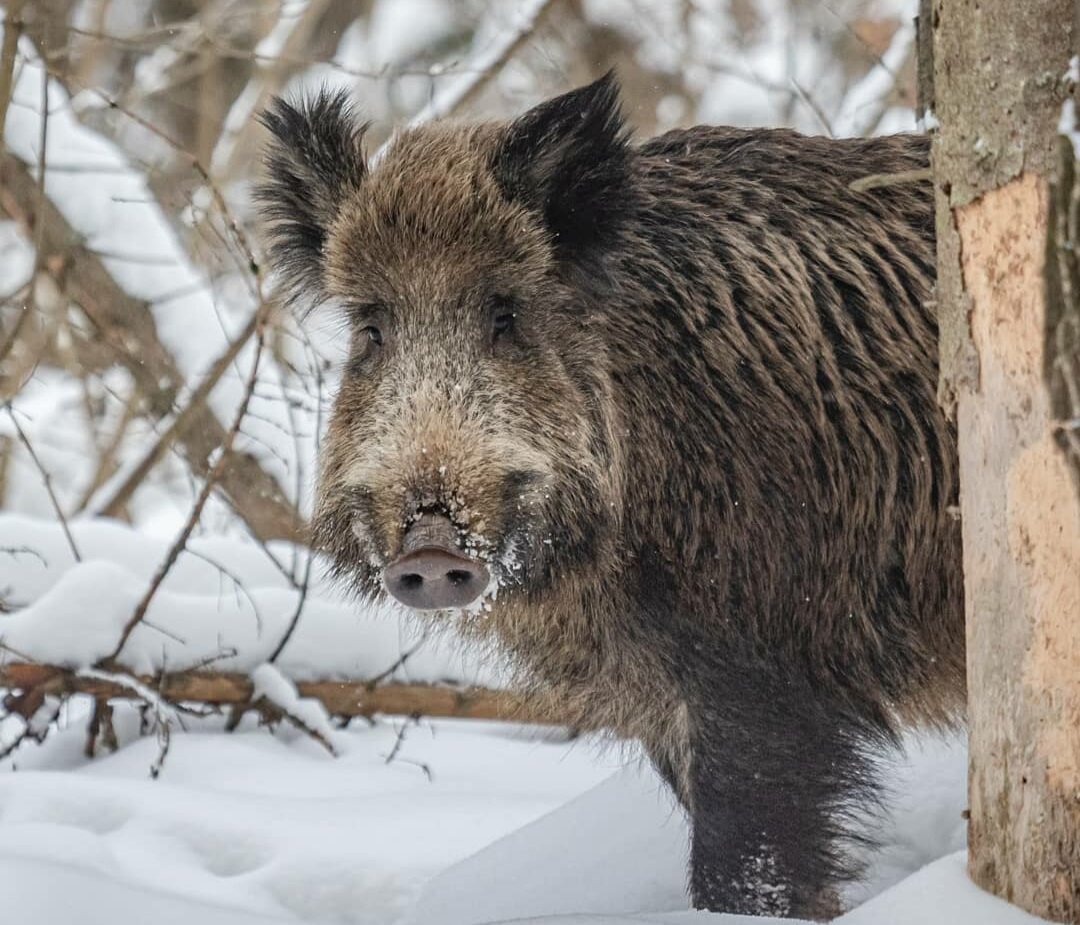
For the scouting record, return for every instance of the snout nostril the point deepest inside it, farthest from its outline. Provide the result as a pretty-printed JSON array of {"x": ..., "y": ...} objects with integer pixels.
[{"x": 433, "y": 572}]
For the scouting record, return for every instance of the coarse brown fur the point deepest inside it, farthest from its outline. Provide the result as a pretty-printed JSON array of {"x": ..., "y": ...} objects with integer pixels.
[{"x": 703, "y": 456}]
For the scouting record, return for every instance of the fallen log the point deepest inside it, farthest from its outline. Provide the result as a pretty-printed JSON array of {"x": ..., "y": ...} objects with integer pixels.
[{"x": 231, "y": 689}]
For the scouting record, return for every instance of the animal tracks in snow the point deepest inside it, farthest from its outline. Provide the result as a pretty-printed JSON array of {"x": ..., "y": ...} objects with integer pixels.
[{"x": 267, "y": 824}]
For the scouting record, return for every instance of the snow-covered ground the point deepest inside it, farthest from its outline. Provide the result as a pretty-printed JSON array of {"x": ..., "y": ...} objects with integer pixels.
[
  {"x": 442, "y": 822},
  {"x": 469, "y": 823},
  {"x": 271, "y": 825}
]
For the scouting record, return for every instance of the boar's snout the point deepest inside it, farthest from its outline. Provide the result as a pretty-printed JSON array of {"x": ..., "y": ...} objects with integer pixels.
[{"x": 432, "y": 572}]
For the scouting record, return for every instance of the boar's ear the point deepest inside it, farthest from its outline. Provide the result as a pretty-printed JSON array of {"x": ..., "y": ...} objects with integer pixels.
[
  {"x": 315, "y": 158},
  {"x": 568, "y": 160}
]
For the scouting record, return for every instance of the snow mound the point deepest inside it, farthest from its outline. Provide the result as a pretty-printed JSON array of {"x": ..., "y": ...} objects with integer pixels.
[
  {"x": 621, "y": 847},
  {"x": 225, "y": 602},
  {"x": 941, "y": 893}
]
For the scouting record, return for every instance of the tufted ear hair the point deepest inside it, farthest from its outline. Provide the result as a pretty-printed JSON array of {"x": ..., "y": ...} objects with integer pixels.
[
  {"x": 315, "y": 158},
  {"x": 568, "y": 160}
]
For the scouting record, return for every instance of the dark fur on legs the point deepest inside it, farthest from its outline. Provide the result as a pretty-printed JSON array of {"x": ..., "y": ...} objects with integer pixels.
[{"x": 775, "y": 773}]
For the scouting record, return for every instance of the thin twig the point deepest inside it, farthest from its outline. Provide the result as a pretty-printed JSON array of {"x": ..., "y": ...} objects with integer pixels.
[
  {"x": 31, "y": 731},
  {"x": 289, "y": 34},
  {"x": 295, "y": 620},
  {"x": 272, "y": 711},
  {"x": 882, "y": 180},
  {"x": 164, "y": 739},
  {"x": 237, "y": 583},
  {"x": 400, "y": 741},
  {"x": 240, "y": 238},
  {"x": 120, "y": 496},
  {"x": 15, "y": 551},
  {"x": 107, "y": 455},
  {"x": 399, "y": 662},
  {"x": 813, "y": 106},
  {"x": 123, "y": 325},
  {"x": 47, "y": 479},
  {"x": 22, "y": 656},
  {"x": 196, "y": 512},
  {"x": 306, "y": 582},
  {"x": 147, "y": 40},
  {"x": 876, "y": 86}
]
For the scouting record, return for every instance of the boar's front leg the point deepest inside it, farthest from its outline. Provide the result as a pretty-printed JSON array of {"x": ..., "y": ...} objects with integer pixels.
[{"x": 773, "y": 770}]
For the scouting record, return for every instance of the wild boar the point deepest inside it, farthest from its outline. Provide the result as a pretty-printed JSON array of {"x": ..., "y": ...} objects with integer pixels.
[{"x": 657, "y": 422}]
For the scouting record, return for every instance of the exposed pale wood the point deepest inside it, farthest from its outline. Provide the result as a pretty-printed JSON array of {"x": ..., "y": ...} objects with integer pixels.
[
  {"x": 994, "y": 158},
  {"x": 1021, "y": 521}
]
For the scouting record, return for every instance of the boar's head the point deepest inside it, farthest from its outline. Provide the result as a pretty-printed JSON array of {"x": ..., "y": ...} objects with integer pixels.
[{"x": 473, "y": 443}]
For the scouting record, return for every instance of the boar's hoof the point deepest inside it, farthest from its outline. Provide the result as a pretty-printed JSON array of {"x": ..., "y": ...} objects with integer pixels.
[{"x": 432, "y": 573}]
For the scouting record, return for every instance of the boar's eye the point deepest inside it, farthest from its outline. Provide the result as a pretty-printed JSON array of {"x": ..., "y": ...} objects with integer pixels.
[
  {"x": 502, "y": 324},
  {"x": 503, "y": 312},
  {"x": 367, "y": 340}
]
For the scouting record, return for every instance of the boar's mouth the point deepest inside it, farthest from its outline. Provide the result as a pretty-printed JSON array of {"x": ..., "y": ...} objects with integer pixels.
[{"x": 432, "y": 572}]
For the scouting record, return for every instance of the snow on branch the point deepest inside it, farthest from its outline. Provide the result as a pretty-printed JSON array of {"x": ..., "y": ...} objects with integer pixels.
[
  {"x": 127, "y": 330},
  {"x": 866, "y": 103},
  {"x": 357, "y": 698},
  {"x": 486, "y": 66}
]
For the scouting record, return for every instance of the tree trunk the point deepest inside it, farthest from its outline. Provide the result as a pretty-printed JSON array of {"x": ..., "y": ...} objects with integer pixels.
[{"x": 1008, "y": 342}]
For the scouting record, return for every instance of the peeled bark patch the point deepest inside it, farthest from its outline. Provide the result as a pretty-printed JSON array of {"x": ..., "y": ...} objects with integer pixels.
[{"x": 1021, "y": 518}]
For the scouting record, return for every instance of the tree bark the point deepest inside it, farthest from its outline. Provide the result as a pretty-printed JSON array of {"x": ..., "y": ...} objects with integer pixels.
[{"x": 999, "y": 84}]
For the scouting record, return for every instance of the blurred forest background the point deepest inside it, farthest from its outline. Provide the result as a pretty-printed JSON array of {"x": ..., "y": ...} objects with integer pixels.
[{"x": 134, "y": 306}]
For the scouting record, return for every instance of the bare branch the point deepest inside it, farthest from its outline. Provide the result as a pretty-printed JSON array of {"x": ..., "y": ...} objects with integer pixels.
[
  {"x": 29, "y": 303},
  {"x": 866, "y": 103},
  {"x": 813, "y": 106},
  {"x": 305, "y": 584},
  {"x": 8, "y": 49},
  {"x": 200, "y": 502},
  {"x": 123, "y": 492},
  {"x": 109, "y": 451},
  {"x": 237, "y": 583},
  {"x": 164, "y": 733},
  {"x": 486, "y": 67},
  {"x": 270, "y": 76},
  {"x": 34, "y": 730},
  {"x": 399, "y": 741},
  {"x": 123, "y": 324},
  {"x": 883, "y": 180}
]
